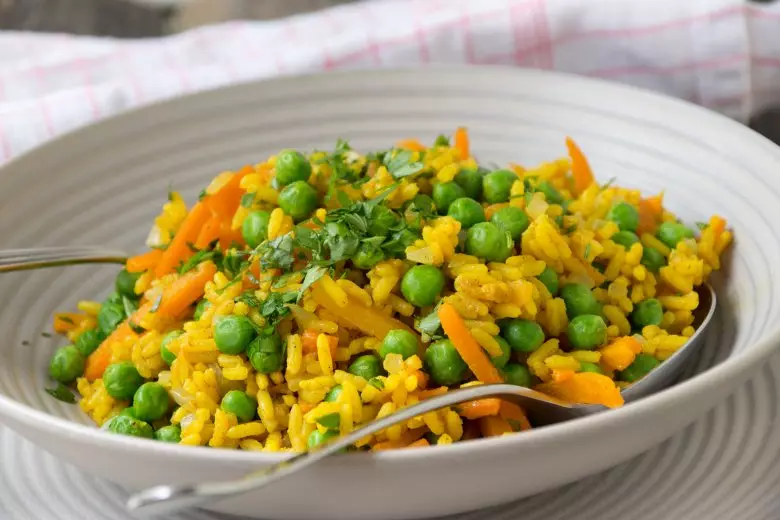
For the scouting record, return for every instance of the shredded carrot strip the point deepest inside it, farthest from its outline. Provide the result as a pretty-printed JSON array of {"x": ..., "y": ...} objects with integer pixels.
[
  {"x": 650, "y": 211},
  {"x": 64, "y": 321},
  {"x": 420, "y": 443},
  {"x": 309, "y": 341},
  {"x": 461, "y": 139},
  {"x": 493, "y": 208},
  {"x": 559, "y": 375},
  {"x": 225, "y": 202},
  {"x": 512, "y": 412},
  {"x": 580, "y": 169},
  {"x": 179, "y": 249},
  {"x": 467, "y": 346},
  {"x": 101, "y": 357},
  {"x": 186, "y": 290},
  {"x": 585, "y": 388},
  {"x": 433, "y": 392},
  {"x": 493, "y": 426},
  {"x": 209, "y": 232},
  {"x": 620, "y": 353},
  {"x": 481, "y": 408},
  {"x": 228, "y": 236},
  {"x": 411, "y": 144},
  {"x": 718, "y": 225},
  {"x": 144, "y": 261}
]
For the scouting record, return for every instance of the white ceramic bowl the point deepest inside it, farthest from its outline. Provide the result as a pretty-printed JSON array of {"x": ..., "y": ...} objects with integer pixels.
[{"x": 105, "y": 183}]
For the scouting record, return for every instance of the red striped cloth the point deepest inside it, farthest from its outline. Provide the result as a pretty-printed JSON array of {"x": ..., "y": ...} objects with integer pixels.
[{"x": 723, "y": 54}]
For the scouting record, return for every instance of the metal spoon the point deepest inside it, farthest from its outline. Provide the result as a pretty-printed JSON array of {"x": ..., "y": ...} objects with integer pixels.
[
  {"x": 542, "y": 408},
  {"x": 23, "y": 259}
]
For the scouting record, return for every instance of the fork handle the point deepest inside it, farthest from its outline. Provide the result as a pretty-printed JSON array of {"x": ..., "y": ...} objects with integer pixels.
[{"x": 36, "y": 258}]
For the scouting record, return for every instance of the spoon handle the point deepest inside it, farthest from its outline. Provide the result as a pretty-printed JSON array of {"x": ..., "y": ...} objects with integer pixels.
[
  {"x": 166, "y": 499},
  {"x": 23, "y": 259}
]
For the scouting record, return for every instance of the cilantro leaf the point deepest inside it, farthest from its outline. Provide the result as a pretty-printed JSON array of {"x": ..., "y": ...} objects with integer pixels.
[
  {"x": 430, "y": 325},
  {"x": 312, "y": 275},
  {"x": 249, "y": 298},
  {"x": 702, "y": 225},
  {"x": 247, "y": 200},
  {"x": 277, "y": 253},
  {"x": 199, "y": 256},
  {"x": 129, "y": 306},
  {"x": 399, "y": 164},
  {"x": 62, "y": 393},
  {"x": 442, "y": 140}
]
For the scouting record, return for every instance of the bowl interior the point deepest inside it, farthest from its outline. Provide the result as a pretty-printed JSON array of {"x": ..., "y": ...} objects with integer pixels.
[{"x": 104, "y": 185}]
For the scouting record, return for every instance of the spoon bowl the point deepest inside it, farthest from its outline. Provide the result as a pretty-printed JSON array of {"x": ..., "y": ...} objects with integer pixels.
[{"x": 541, "y": 407}]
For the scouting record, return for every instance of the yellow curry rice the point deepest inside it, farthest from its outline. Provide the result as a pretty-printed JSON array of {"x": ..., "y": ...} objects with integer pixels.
[{"x": 309, "y": 294}]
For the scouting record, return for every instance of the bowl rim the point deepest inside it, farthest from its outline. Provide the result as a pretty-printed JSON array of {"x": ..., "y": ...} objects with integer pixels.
[{"x": 714, "y": 377}]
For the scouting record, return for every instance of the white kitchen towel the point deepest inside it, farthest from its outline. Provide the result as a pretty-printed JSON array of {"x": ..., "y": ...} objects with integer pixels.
[{"x": 722, "y": 54}]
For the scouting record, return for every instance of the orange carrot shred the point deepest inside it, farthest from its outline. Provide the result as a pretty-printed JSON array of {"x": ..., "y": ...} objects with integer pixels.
[
  {"x": 100, "y": 359},
  {"x": 650, "y": 212},
  {"x": 419, "y": 443},
  {"x": 514, "y": 413},
  {"x": 64, "y": 321},
  {"x": 209, "y": 232},
  {"x": 494, "y": 426},
  {"x": 584, "y": 388},
  {"x": 411, "y": 144},
  {"x": 461, "y": 139},
  {"x": 144, "y": 261},
  {"x": 433, "y": 392},
  {"x": 467, "y": 346},
  {"x": 186, "y": 290},
  {"x": 718, "y": 225},
  {"x": 309, "y": 341},
  {"x": 580, "y": 169},
  {"x": 179, "y": 249},
  {"x": 480, "y": 408},
  {"x": 559, "y": 375}
]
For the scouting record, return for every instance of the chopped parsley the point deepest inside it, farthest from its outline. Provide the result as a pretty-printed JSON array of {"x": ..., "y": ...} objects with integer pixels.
[
  {"x": 62, "y": 393},
  {"x": 400, "y": 164},
  {"x": 247, "y": 200}
]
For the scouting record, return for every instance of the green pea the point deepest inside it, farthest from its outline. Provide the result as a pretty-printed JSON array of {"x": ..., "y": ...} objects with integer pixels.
[
  {"x": 670, "y": 233},
  {"x": 487, "y": 241},
  {"x": 579, "y": 300},
  {"x": 125, "y": 283},
  {"x": 590, "y": 367},
  {"x": 299, "y": 200},
  {"x": 517, "y": 374},
  {"x": 643, "y": 364},
  {"x": 291, "y": 166},
  {"x": 317, "y": 438},
  {"x": 444, "y": 364},
  {"x": 445, "y": 193},
  {"x": 587, "y": 331},
  {"x": 470, "y": 180},
  {"x": 511, "y": 219},
  {"x": 647, "y": 312},
  {"x": 240, "y": 404},
  {"x": 442, "y": 140},
  {"x": 200, "y": 308},
  {"x": 551, "y": 195},
  {"x": 497, "y": 185},
  {"x": 121, "y": 380},
  {"x": 466, "y": 211},
  {"x": 66, "y": 364},
  {"x": 168, "y": 356},
  {"x": 506, "y": 352},
  {"x": 625, "y": 238},
  {"x": 399, "y": 341},
  {"x": 333, "y": 394},
  {"x": 625, "y": 216},
  {"x": 88, "y": 341},
  {"x": 151, "y": 401},
  {"x": 126, "y": 425},
  {"x": 129, "y": 411},
  {"x": 550, "y": 280},
  {"x": 522, "y": 335},
  {"x": 422, "y": 284},
  {"x": 367, "y": 256},
  {"x": 109, "y": 317},
  {"x": 382, "y": 219},
  {"x": 332, "y": 421},
  {"x": 366, "y": 366},
  {"x": 233, "y": 334},
  {"x": 170, "y": 433},
  {"x": 653, "y": 259},
  {"x": 255, "y": 228},
  {"x": 266, "y": 353}
]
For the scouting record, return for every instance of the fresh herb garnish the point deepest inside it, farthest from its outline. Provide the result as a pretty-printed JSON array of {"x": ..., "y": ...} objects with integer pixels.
[
  {"x": 275, "y": 308},
  {"x": 45, "y": 334},
  {"x": 702, "y": 225},
  {"x": 442, "y": 140},
  {"x": 202, "y": 194},
  {"x": 376, "y": 383},
  {"x": 312, "y": 275},
  {"x": 249, "y": 298},
  {"x": 277, "y": 253},
  {"x": 199, "y": 256},
  {"x": 62, "y": 393},
  {"x": 430, "y": 325},
  {"x": 65, "y": 319},
  {"x": 587, "y": 251},
  {"x": 156, "y": 304},
  {"x": 129, "y": 305},
  {"x": 247, "y": 200},
  {"x": 400, "y": 164},
  {"x": 608, "y": 183}
]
